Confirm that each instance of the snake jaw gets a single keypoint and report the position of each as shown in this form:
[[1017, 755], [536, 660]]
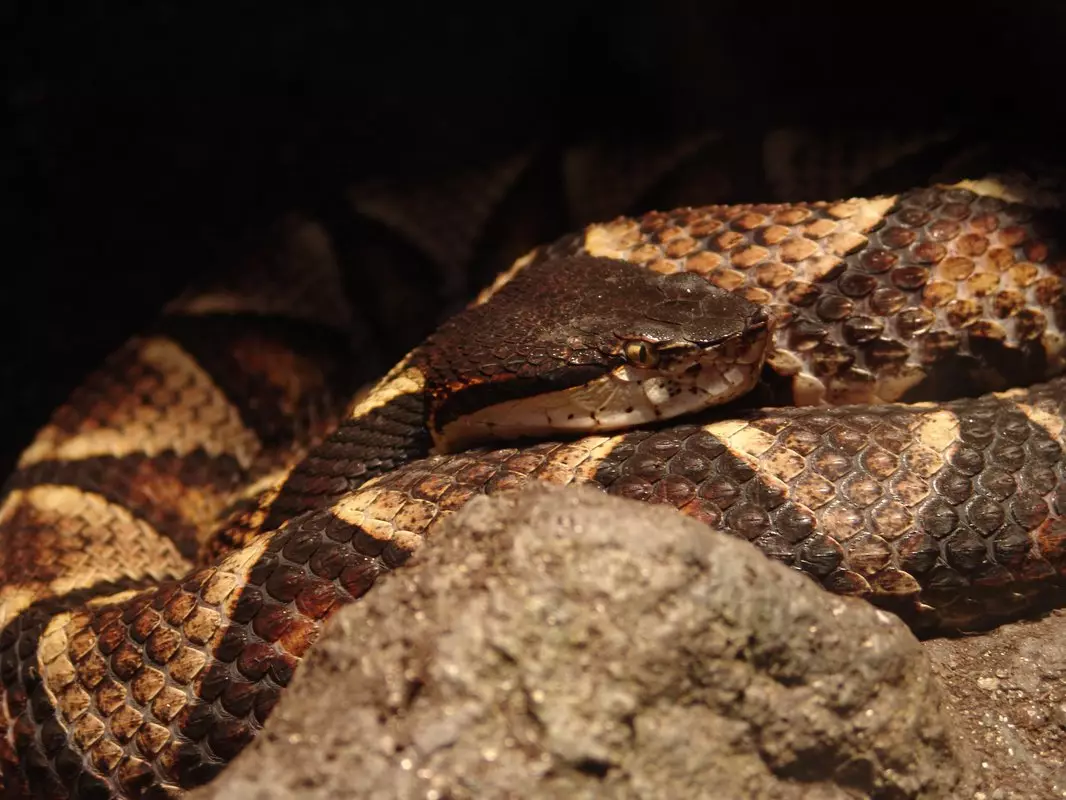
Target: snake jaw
[[692, 380]]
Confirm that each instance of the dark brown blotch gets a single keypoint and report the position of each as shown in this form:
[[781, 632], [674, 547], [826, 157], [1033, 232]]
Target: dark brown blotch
[[966, 550], [856, 284], [937, 518], [1029, 509], [162, 645], [358, 578], [819, 555], [918, 552], [897, 237], [747, 520]]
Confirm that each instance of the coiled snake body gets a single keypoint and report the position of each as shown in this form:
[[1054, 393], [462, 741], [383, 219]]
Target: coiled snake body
[[165, 566]]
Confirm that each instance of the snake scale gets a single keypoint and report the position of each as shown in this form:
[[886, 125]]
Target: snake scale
[[865, 389]]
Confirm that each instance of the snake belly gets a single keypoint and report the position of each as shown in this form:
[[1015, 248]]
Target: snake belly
[[130, 669]]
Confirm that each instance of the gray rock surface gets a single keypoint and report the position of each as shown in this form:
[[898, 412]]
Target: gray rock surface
[[562, 643], [1006, 691]]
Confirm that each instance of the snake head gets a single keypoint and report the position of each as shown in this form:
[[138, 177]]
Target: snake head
[[578, 344]]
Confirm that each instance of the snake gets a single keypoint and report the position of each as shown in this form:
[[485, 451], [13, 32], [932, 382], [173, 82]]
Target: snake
[[870, 390]]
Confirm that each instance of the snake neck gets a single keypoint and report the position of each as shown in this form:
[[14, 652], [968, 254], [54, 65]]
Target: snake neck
[[383, 431]]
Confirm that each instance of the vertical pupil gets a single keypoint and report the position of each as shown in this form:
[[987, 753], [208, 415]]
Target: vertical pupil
[[641, 353]]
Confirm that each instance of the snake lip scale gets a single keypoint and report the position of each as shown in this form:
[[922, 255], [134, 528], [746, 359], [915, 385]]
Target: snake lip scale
[[869, 390]]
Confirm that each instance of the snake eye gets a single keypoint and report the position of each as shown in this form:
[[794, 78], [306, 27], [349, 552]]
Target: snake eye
[[642, 354]]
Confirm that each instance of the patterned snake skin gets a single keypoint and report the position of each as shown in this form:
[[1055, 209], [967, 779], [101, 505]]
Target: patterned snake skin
[[177, 535]]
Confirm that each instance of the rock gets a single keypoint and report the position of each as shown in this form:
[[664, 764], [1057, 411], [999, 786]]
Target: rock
[[558, 642], [1006, 691]]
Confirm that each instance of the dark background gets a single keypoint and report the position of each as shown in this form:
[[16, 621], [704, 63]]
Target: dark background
[[141, 142]]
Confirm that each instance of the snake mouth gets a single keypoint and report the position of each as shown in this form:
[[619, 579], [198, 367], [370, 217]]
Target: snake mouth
[[622, 397]]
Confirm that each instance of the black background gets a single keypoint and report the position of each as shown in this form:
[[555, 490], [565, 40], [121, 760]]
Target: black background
[[141, 140]]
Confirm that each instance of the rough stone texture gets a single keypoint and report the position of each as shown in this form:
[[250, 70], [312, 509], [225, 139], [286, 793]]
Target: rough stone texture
[[1006, 691], [562, 643]]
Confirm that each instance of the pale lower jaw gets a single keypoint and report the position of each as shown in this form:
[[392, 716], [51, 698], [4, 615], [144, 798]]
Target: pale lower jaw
[[608, 404]]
